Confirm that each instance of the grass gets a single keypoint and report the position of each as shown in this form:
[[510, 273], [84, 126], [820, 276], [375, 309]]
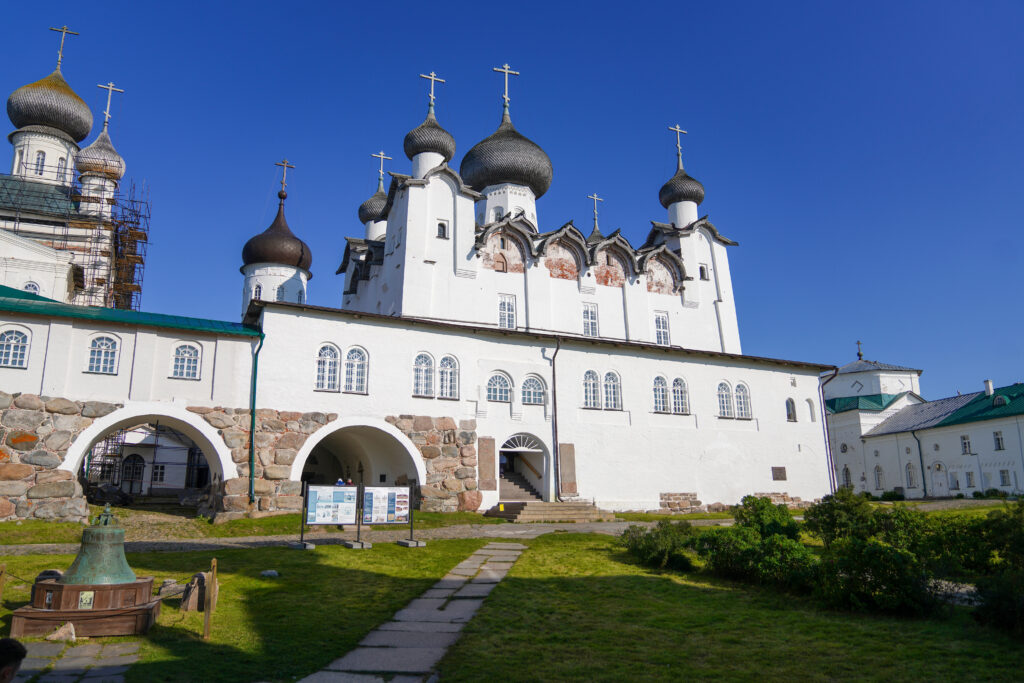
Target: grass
[[576, 607], [656, 516], [173, 522], [322, 605]]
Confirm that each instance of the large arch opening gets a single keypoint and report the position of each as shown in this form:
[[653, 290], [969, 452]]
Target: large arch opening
[[525, 469]]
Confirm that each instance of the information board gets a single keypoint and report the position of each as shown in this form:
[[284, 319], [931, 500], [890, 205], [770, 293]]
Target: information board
[[385, 505], [331, 505]]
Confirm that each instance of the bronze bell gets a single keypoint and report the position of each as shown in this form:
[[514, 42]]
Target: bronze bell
[[101, 557]]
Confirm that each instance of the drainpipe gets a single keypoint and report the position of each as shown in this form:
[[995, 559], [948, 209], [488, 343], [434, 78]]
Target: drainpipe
[[824, 429], [252, 421], [920, 457], [554, 419]]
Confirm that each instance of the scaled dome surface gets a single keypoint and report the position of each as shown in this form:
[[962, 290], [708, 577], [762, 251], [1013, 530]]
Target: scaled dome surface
[[372, 208], [681, 188], [507, 157], [100, 158], [429, 136], [50, 102], [278, 244]]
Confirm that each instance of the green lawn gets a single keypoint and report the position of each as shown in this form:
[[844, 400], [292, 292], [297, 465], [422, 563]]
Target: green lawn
[[575, 607], [655, 516], [323, 604]]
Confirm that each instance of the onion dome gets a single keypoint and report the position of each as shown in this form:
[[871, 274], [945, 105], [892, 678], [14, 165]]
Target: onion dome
[[681, 188], [50, 102], [100, 158], [372, 208], [507, 157], [277, 244], [429, 136]]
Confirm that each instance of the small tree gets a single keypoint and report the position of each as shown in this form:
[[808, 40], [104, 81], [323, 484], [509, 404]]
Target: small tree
[[840, 515], [766, 519]]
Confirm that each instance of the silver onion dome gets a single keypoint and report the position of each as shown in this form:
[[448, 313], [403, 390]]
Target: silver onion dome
[[372, 208], [429, 136], [50, 102], [681, 188], [507, 157], [100, 158], [278, 244]]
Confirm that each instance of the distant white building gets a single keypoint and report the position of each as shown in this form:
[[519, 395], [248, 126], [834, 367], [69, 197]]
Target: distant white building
[[885, 437], [148, 460]]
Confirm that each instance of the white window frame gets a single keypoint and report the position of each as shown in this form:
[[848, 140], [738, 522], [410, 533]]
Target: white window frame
[[725, 404], [1004, 477], [40, 162], [591, 390], [744, 406], [184, 366], [970, 479], [257, 292], [12, 350], [507, 311], [533, 392], [612, 385], [61, 167], [159, 471], [448, 378], [662, 334], [499, 388], [965, 444], [680, 397], [31, 287], [791, 410], [101, 367], [911, 476], [661, 398], [423, 375], [357, 371], [327, 367], [997, 437], [590, 324], [879, 478]]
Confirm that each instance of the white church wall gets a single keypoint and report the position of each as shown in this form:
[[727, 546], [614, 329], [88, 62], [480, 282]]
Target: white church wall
[[24, 261], [27, 145]]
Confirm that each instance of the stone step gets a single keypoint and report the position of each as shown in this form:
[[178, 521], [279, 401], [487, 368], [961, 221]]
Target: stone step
[[539, 511]]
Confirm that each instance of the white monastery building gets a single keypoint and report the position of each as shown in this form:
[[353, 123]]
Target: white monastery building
[[475, 354]]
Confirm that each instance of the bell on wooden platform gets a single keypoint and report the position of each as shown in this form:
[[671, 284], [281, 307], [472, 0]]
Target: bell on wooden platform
[[101, 557]]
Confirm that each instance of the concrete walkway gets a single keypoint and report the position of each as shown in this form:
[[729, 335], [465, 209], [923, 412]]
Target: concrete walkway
[[408, 647], [84, 663]]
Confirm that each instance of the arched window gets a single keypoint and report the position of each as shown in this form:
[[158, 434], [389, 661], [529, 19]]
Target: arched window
[[724, 400], [103, 355], [186, 362], [499, 389], [448, 377], [281, 293], [498, 213], [13, 349], [301, 298], [423, 375], [879, 478], [790, 410], [847, 479], [355, 371], [31, 287], [258, 292], [911, 476], [743, 409], [680, 398], [61, 165], [132, 471], [660, 395], [612, 392], [591, 392], [811, 412], [533, 392], [40, 162], [327, 368]]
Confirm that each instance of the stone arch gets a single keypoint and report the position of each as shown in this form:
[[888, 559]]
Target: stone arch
[[206, 437], [364, 433], [530, 457]]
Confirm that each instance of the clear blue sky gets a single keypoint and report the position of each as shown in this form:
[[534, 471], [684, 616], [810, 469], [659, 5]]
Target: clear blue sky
[[868, 157]]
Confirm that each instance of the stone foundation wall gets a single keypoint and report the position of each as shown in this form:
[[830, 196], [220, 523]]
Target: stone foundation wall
[[784, 498], [35, 433], [449, 454]]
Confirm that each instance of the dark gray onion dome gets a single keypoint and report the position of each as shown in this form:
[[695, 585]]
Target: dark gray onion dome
[[429, 136], [681, 188], [372, 208], [50, 102], [507, 157], [100, 158], [277, 244]]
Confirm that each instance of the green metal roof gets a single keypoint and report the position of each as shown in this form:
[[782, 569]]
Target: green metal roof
[[985, 407], [16, 301], [22, 194], [873, 402]]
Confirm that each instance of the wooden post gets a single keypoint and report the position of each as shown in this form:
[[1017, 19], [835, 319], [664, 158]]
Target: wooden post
[[208, 599]]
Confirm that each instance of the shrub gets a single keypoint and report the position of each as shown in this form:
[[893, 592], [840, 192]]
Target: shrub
[[731, 552], [902, 527], [978, 494], [843, 514], [960, 495], [1004, 530], [661, 546], [787, 563], [958, 546], [1002, 600], [995, 493], [766, 519], [892, 495], [872, 575]]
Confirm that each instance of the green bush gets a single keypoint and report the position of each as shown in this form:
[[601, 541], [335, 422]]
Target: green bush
[[995, 493], [741, 553], [1004, 530], [874, 576], [663, 546], [1002, 600], [958, 546], [766, 519], [731, 552], [787, 563], [978, 494], [843, 514], [892, 495], [902, 527]]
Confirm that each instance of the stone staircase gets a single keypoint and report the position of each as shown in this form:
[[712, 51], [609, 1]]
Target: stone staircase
[[520, 502], [513, 486]]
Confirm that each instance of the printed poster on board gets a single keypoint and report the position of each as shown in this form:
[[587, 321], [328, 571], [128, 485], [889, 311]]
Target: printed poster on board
[[385, 505], [331, 505]]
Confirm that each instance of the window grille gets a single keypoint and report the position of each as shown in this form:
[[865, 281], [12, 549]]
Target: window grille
[[355, 371], [680, 398], [743, 409], [13, 349], [724, 400], [911, 477], [258, 292], [103, 356], [186, 362], [661, 329], [31, 288], [158, 474], [423, 376], [660, 395], [533, 392], [591, 392], [965, 444], [612, 392], [879, 478], [499, 389], [448, 377], [507, 311], [327, 369], [1004, 477], [590, 320], [40, 162], [998, 438]]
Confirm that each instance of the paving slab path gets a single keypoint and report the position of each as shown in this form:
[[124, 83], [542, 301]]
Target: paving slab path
[[77, 662], [408, 647]]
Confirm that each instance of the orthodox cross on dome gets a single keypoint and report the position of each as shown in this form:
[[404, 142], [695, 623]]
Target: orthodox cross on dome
[[860, 355], [596, 200], [109, 87], [284, 172], [679, 144], [63, 31], [380, 155], [506, 70], [433, 79]]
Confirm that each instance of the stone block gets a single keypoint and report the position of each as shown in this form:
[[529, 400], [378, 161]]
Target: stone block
[[52, 489], [58, 441], [25, 420], [267, 502], [50, 509], [277, 471], [470, 501], [21, 441], [404, 424], [432, 438], [291, 440], [199, 410], [216, 419], [240, 454], [53, 475], [266, 413], [285, 456], [450, 451], [470, 484], [263, 486], [467, 437], [286, 416], [70, 423], [235, 438], [433, 492], [42, 459], [434, 477], [235, 503], [97, 409], [468, 451], [419, 660], [465, 472], [62, 406], [444, 423], [266, 456], [29, 402], [5, 400], [289, 502], [273, 425], [422, 424], [14, 471], [13, 489], [319, 418], [430, 452], [6, 508], [452, 484], [265, 439], [76, 507], [467, 425], [290, 488], [236, 486]]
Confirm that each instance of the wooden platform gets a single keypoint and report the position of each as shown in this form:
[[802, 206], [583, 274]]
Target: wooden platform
[[120, 621]]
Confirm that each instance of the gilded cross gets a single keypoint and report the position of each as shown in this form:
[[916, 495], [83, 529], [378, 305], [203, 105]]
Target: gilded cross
[[63, 31], [380, 155], [432, 78], [679, 144], [109, 87], [860, 356], [506, 70], [284, 172], [596, 200]]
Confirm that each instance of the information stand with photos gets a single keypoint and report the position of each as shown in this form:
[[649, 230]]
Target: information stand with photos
[[357, 505]]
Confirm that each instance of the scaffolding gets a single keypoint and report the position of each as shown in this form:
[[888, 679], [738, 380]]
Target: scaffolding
[[106, 232]]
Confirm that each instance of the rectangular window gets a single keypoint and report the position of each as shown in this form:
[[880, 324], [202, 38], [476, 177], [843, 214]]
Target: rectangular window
[[442, 230], [778, 474], [590, 320], [507, 311], [965, 444], [1004, 477], [970, 479], [661, 328], [158, 473], [998, 437], [954, 481]]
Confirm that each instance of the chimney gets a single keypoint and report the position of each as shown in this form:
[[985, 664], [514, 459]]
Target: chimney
[[988, 388]]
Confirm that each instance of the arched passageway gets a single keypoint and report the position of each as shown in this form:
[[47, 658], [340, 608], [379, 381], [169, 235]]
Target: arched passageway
[[525, 468], [369, 454]]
